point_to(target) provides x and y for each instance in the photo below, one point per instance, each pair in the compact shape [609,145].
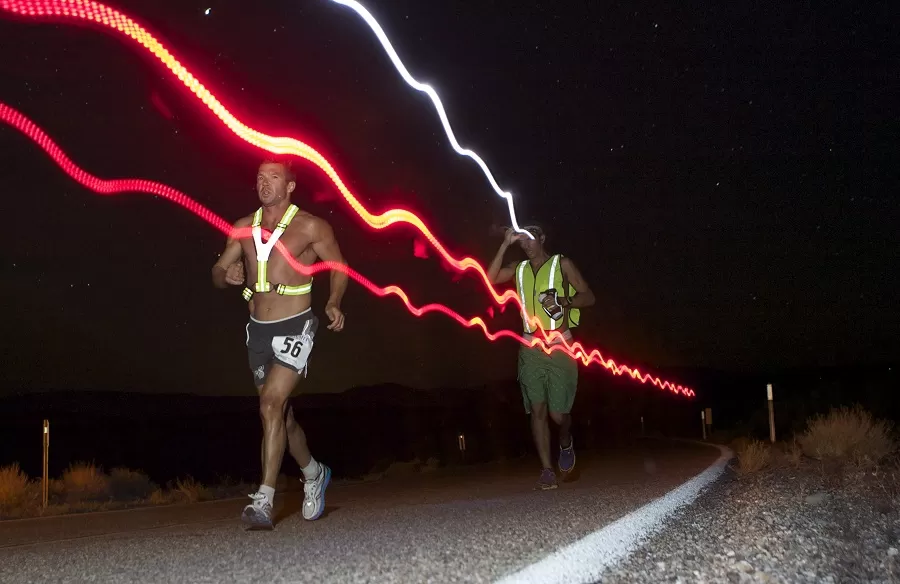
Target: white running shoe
[314,494]
[258,514]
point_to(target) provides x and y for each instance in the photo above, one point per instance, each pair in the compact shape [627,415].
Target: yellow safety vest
[263,250]
[530,287]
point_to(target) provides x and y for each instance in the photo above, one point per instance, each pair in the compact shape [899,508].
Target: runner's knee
[557,417]
[271,405]
[539,411]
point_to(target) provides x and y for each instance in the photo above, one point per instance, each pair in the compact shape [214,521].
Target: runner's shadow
[571,476]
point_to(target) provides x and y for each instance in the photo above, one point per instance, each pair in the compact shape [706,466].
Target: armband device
[555,312]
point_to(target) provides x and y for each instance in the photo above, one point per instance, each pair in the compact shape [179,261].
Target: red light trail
[101,14]
[119,22]
[17,120]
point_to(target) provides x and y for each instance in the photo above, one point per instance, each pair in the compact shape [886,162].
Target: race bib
[293,350]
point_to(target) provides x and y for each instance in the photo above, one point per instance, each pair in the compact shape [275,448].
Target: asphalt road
[473,525]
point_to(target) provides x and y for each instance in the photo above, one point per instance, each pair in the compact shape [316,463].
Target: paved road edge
[585,560]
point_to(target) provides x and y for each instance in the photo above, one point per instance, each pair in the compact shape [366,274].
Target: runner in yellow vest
[282,326]
[552,290]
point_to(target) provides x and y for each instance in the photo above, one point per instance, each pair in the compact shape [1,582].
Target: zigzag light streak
[119,22]
[18,121]
[430,92]
[88,10]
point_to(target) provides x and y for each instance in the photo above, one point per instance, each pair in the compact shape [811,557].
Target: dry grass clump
[84,487]
[129,485]
[83,482]
[13,488]
[160,497]
[849,435]
[794,453]
[192,491]
[754,457]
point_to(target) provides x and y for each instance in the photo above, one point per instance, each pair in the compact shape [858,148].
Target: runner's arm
[326,247]
[232,254]
[496,273]
[584,296]
[504,274]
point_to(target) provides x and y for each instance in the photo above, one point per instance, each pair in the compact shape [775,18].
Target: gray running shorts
[287,342]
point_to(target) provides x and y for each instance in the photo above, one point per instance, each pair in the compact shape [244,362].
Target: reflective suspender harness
[263,250]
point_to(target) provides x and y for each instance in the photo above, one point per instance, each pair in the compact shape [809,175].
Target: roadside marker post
[45,481]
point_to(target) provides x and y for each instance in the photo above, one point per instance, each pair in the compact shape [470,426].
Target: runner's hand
[512,236]
[234,275]
[550,302]
[336,316]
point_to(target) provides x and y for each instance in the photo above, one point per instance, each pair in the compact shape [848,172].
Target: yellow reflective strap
[285,290]
[527,304]
[262,276]
[260,266]
[288,217]
[247,294]
[551,283]
[262,269]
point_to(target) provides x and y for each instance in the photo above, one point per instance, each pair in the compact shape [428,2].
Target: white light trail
[426,89]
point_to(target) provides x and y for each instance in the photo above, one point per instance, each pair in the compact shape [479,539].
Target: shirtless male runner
[282,326]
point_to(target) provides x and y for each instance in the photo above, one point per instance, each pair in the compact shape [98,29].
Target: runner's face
[271,184]
[532,247]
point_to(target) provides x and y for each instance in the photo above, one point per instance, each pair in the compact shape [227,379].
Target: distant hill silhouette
[366,428]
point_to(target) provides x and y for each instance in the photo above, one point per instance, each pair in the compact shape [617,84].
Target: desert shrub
[57,492]
[191,490]
[794,453]
[85,482]
[160,497]
[739,444]
[128,485]
[13,488]
[849,435]
[754,457]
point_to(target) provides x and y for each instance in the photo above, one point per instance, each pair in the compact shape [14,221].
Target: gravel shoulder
[806,523]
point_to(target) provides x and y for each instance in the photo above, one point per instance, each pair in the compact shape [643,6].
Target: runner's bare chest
[295,239]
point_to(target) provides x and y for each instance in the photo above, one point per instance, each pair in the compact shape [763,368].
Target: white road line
[587,559]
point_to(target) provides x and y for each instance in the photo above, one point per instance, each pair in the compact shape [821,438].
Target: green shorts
[551,379]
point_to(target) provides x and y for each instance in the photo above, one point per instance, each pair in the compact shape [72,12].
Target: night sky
[725,178]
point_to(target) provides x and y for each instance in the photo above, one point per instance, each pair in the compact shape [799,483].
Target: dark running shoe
[567,457]
[547,480]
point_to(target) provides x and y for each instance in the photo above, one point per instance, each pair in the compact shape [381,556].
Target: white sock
[269,492]
[311,470]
